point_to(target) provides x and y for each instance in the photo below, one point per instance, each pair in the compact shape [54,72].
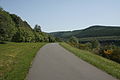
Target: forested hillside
[92,31]
[13,28]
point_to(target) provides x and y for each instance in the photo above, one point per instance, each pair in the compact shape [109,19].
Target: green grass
[16,58]
[106,65]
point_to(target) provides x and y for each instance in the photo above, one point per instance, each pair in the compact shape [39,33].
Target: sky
[65,15]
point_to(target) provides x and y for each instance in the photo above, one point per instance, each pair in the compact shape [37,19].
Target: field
[16,58]
[106,65]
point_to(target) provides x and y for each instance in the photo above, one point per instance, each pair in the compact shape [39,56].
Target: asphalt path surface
[53,62]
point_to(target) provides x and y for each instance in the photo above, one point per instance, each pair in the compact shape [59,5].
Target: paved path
[55,63]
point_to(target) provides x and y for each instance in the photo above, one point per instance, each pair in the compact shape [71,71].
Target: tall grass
[106,65]
[15,59]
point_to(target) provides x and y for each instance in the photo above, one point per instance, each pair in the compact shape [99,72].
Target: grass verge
[16,58]
[106,65]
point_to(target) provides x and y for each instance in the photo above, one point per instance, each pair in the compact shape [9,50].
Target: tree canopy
[13,28]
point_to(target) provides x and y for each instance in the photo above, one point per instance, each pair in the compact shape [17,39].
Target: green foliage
[86,46]
[89,45]
[113,54]
[73,40]
[38,37]
[13,28]
[37,28]
[51,39]
[93,31]
[1,9]
[104,38]
[95,44]
[58,39]
[24,33]
[116,54]
[7,26]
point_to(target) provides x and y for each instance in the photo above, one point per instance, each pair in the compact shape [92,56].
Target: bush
[111,52]
[108,51]
[116,54]
[1,42]
[74,40]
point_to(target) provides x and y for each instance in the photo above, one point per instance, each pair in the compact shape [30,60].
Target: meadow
[16,59]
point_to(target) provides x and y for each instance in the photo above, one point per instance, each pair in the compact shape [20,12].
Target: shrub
[116,54]
[111,52]
[74,40]
[108,51]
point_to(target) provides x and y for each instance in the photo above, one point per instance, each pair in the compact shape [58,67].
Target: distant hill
[92,31]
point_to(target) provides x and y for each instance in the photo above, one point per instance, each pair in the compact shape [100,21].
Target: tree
[51,39]
[95,44]
[74,40]
[7,26]
[38,37]
[58,39]
[1,9]
[88,45]
[3,34]
[37,28]
[13,28]
[18,37]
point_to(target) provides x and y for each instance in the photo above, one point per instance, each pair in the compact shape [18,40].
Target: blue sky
[64,15]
